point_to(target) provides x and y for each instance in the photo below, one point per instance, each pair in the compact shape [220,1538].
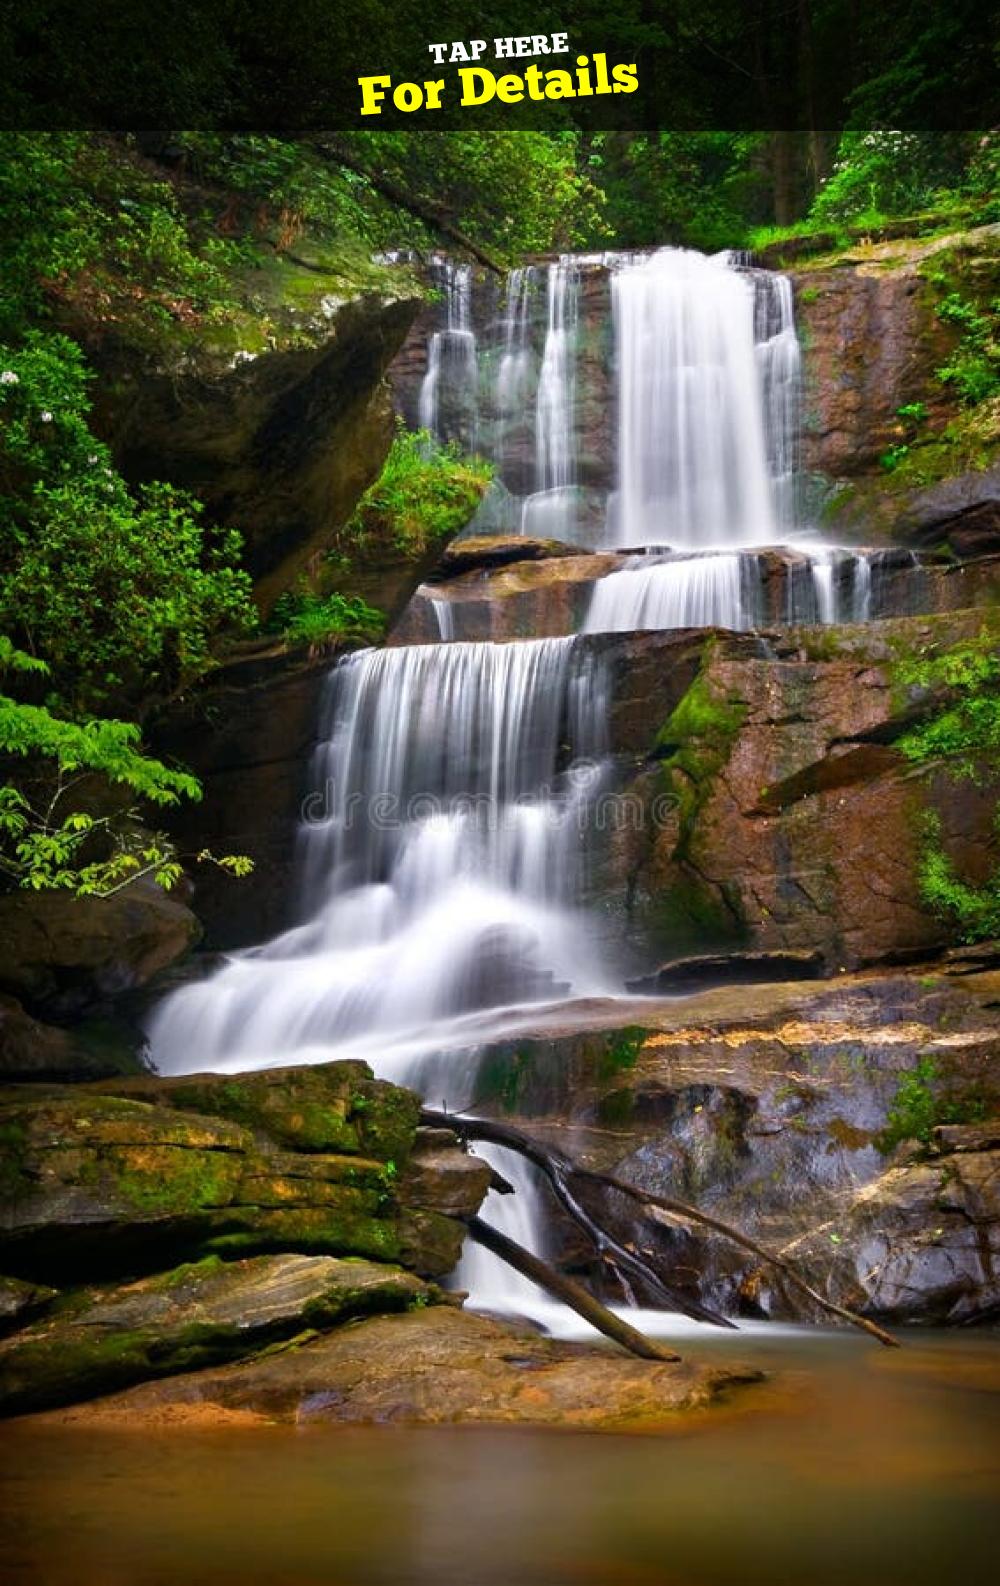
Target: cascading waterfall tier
[703,404]
[728,589]
[447,403]
[438,863]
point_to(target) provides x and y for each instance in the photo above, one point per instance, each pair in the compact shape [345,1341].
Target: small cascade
[692,452]
[514,369]
[549,511]
[444,616]
[721,590]
[831,585]
[779,362]
[438,870]
[447,403]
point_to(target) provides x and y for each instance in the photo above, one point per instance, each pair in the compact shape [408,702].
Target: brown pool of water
[852,1465]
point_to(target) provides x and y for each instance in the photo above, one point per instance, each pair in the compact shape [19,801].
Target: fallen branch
[562,1172]
[624,1260]
[569,1292]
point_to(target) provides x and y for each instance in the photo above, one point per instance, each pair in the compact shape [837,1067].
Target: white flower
[45,416]
[8,377]
[93,458]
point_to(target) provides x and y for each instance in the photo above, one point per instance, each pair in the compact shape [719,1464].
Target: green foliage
[965,734]
[974,369]
[85,220]
[964,739]
[920,1104]
[913,414]
[118,592]
[621,1052]
[318,620]
[695,742]
[424,494]
[878,173]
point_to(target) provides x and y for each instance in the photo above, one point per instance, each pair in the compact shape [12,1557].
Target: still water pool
[851,1465]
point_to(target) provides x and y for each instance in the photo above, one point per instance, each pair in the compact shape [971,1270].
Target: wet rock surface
[429,1366]
[545,594]
[785,1110]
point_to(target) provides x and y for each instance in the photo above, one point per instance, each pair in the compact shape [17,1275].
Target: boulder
[430,1366]
[189,1318]
[730,969]
[63,956]
[329,1107]
[120,1176]
[920,1244]
[20,1301]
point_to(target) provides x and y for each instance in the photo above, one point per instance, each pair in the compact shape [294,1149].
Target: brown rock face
[248,738]
[873,342]
[788,822]
[282,446]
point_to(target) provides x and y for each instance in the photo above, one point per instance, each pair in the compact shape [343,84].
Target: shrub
[314,619]
[963,738]
[424,494]
[117,591]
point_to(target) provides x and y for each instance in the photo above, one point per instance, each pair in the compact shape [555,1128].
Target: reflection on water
[854,1465]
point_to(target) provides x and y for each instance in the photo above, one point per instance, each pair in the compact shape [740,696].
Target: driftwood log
[566,1289]
[568,1179]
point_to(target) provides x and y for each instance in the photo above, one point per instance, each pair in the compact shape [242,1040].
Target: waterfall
[515,361]
[779,363]
[549,511]
[444,616]
[446,405]
[437,864]
[692,436]
[721,590]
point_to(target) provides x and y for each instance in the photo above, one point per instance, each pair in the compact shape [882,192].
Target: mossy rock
[330,1107]
[197,1315]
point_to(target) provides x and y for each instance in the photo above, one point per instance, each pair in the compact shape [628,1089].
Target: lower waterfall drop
[438,861]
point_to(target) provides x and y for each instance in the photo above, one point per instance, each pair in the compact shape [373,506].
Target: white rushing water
[692,438]
[726,589]
[675,592]
[452,367]
[438,863]
[550,510]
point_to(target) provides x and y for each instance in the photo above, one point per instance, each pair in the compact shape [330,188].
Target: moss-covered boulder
[122,1176]
[20,1301]
[338,1107]
[197,1315]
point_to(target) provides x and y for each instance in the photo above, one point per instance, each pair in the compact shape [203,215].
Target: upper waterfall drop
[702,402]
[550,510]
